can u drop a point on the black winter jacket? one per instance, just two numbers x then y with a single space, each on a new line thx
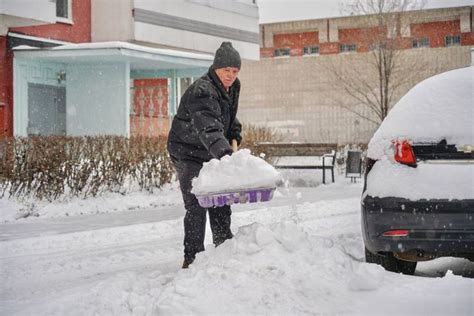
205 121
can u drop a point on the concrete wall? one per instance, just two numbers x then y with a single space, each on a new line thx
302 99
112 20
40 10
194 25
98 100
25 12
97 97
25 72
199 25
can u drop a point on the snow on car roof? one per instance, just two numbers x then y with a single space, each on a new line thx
440 107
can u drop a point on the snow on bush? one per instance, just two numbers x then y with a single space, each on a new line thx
50 167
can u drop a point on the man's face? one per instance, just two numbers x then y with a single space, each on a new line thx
227 75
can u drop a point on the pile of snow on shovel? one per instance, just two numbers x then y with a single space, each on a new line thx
237 172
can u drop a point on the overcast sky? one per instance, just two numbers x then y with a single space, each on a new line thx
290 10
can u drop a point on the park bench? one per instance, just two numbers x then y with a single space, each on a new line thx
301 156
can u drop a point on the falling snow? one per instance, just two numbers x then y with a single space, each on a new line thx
301 253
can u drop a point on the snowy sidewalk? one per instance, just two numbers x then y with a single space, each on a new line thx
71 224
108 216
300 254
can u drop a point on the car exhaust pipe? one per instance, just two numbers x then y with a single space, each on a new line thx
414 255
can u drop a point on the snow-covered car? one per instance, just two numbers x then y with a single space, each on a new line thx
418 200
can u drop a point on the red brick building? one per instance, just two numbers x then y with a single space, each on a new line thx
284 39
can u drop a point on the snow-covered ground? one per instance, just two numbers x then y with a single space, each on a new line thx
301 253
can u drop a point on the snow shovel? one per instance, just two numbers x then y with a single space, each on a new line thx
252 195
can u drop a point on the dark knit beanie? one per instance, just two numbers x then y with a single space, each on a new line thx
226 56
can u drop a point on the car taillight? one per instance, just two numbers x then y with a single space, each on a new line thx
396 233
404 153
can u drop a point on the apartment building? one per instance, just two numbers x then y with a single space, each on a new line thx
293 87
107 67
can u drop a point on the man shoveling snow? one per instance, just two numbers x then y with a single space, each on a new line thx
202 129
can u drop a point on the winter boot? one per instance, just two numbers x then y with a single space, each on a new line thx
186 263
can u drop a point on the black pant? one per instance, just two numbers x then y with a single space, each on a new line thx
195 218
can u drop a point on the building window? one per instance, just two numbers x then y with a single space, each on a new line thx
421 42
311 50
347 48
63 10
184 84
378 46
452 40
282 52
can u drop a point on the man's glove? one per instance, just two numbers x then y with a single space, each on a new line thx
235 131
220 148
225 153
236 135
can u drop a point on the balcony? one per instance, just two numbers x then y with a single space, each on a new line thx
15 13
190 25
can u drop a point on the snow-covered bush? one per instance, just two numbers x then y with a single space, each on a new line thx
55 166
50 167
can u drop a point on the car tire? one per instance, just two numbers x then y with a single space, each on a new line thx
390 263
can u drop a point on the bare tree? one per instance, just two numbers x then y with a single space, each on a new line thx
372 86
